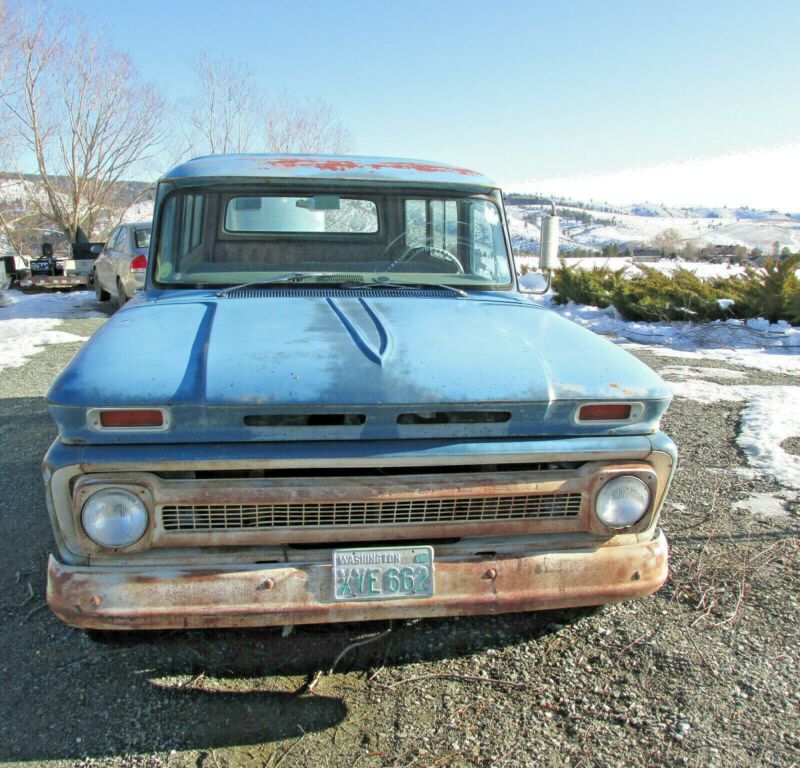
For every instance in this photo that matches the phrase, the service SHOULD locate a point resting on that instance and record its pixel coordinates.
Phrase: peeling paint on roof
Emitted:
(328, 167)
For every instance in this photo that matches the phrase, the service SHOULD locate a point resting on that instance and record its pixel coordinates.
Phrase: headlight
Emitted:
(622, 501)
(114, 518)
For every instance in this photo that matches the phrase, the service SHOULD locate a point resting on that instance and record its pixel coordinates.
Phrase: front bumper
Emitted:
(164, 597)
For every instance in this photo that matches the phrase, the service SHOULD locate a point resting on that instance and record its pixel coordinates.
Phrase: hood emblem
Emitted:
(365, 328)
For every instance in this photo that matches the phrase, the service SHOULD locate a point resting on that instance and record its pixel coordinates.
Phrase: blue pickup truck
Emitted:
(331, 401)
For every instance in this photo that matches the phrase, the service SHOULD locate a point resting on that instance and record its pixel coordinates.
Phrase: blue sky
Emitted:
(519, 90)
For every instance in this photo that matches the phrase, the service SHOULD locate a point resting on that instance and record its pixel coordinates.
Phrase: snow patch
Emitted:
(61, 306)
(28, 323)
(704, 391)
(771, 416)
(755, 343)
(762, 505)
(770, 360)
(694, 372)
(22, 339)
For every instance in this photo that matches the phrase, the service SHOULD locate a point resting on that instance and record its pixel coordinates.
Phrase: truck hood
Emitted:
(216, 361)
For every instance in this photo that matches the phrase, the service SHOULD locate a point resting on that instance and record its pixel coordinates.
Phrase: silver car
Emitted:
(119, 269)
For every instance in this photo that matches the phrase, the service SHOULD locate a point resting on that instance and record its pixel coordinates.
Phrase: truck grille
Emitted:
(212, 517)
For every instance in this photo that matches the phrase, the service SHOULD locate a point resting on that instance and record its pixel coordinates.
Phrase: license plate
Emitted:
(383, 573)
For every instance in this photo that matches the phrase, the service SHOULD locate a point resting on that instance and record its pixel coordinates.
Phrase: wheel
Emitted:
(99, 293)
(409, 254)
(122, 297)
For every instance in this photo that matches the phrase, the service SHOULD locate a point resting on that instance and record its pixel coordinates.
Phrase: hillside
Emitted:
(593, 226)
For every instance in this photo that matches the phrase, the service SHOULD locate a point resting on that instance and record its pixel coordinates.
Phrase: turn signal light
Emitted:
(132, 418)
(604, 412)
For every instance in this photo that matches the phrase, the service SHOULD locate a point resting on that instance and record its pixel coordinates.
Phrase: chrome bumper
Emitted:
(156, 597)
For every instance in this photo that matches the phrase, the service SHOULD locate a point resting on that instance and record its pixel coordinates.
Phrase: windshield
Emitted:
(142, 237)
(222, 237)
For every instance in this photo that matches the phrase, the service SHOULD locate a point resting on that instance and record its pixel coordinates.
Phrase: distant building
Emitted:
(642, 252)
(721, 250)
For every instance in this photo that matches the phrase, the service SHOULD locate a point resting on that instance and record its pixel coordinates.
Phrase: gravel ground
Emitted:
(704, 673)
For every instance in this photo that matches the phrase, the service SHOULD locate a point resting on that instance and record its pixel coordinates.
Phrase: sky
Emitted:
(671, 102)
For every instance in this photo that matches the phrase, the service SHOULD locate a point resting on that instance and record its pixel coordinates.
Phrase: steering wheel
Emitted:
(411, 253)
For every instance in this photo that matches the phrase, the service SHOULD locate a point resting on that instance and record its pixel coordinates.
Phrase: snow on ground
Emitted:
(690, 372)
(762, 505)
(28, 323)
(776, 360)
(771, 416)
(702, 269)
(57, 306)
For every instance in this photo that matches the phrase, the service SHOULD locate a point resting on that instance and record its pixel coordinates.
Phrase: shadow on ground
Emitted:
(66, 696)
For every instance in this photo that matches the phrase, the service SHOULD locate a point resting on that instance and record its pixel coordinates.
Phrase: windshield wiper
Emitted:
(290, 277)
(385, 283)
(285, 278)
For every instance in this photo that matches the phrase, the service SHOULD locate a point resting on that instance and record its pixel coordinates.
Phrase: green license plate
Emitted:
(382, 574)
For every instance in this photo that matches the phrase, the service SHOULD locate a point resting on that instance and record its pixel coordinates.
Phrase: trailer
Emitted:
(50, 271)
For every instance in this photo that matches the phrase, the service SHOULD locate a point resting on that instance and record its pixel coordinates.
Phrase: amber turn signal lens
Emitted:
(604, 412)
(132, 418)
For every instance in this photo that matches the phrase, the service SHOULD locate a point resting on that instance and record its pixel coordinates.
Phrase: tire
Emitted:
(122, 297)
(99, 293)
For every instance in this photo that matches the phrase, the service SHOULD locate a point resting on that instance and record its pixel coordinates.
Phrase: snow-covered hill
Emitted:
(636, 225)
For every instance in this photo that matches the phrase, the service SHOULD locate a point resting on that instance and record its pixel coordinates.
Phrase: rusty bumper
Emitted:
(153, 597)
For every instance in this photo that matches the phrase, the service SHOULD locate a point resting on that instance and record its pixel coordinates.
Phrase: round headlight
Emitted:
(114, 518)
(622, 501)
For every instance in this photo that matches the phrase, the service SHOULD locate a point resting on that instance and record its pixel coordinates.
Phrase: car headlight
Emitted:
(114, 518)
(622, 501)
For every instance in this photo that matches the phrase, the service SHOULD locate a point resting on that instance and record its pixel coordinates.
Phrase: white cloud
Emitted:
(763, 178)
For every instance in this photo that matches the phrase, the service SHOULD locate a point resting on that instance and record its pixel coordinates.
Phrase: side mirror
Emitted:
(97, 249)
(548, 251)
(548, 245)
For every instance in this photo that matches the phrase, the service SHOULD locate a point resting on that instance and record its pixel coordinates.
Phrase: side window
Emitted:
(122, 240)
(112, 239)
(181, 234)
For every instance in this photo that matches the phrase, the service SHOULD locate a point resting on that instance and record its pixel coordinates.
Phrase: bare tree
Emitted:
(83, 116)
(7, 45)
(313, 127)
(223, 117)
(8, 83)
(668, 241)
(233, 113)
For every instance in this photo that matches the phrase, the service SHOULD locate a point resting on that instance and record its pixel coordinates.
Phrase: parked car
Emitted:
(120, 268)
(333, 402)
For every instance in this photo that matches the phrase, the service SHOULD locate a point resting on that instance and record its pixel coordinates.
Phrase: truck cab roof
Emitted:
(326, 168)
